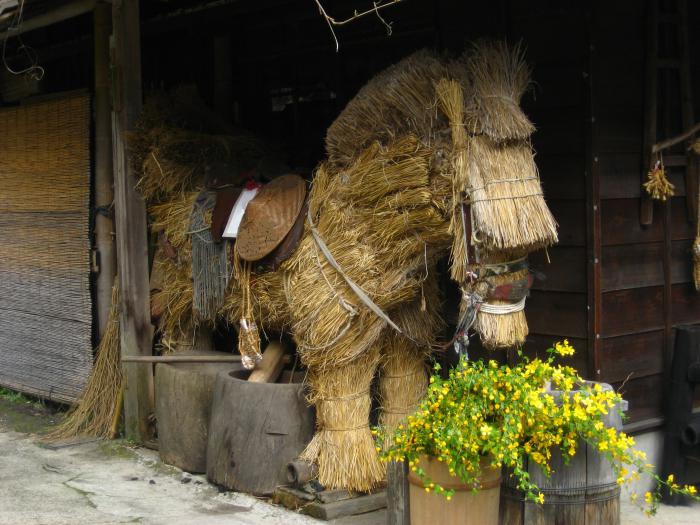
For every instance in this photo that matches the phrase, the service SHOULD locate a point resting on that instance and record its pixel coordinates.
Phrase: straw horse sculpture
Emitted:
(431, 158)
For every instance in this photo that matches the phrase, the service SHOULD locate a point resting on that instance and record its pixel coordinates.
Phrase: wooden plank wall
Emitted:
(632, 343)
(557, 305)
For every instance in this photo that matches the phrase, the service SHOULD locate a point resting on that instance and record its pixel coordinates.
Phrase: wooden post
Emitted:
(397, 503)
(646, 211)
(594, 249)
(130, 215)
(104, 179)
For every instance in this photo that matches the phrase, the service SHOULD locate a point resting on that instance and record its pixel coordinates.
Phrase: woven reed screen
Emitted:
(45, 305)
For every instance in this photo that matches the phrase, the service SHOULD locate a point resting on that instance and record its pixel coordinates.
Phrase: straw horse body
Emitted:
(431, 158)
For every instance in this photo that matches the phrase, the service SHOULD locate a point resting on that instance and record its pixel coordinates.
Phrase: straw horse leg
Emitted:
(343, 445)
(403, 378)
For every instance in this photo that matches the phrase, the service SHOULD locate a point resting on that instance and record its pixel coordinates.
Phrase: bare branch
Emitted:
(376, 6)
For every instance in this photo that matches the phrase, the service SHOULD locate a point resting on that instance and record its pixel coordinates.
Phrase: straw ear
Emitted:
(499, 77)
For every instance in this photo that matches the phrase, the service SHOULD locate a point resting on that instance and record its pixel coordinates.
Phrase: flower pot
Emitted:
(583, 491)
(465, 507)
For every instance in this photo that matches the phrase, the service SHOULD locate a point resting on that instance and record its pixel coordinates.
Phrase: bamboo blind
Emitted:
(45, 304)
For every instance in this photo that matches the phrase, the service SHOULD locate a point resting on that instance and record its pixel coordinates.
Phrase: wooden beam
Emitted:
(688, 134)
(104, 179)
(130, 220)
(64, 12)
(181, 359)
(397, 494)
(687, 110)
(593, 212)
(646, 209)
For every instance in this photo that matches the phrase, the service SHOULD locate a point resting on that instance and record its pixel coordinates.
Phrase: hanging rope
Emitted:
(248, 335)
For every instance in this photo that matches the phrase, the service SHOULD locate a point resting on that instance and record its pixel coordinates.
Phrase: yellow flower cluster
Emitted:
(508, 414)
(563, 348)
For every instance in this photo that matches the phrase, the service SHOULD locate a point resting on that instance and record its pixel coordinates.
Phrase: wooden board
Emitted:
(633, 356)
(645, 396)
(632, 311)
(45, 303)
(632, 266)
(571, 219)
(329, 505)
(136, 331)
(685, 304)
(397, 498)
(557, 313)
(537, 344)
(621, 219)
(564, 272)
(562, 176)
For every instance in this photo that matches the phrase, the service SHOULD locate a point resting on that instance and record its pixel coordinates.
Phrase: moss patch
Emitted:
(20, 414)
(117, 448)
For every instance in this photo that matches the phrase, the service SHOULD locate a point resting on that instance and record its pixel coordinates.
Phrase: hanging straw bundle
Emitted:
(210, 262)
(657, 185)
(508, 207)
(98, 410)
(248, 335)
(178, 160)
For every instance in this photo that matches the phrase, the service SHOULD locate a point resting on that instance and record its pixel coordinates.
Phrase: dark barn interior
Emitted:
(620, 278)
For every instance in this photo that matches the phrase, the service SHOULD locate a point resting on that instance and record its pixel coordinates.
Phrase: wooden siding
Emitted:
(557, 307)
(636, 335)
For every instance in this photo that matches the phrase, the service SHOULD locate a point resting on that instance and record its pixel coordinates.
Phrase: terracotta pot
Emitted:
(465, 507)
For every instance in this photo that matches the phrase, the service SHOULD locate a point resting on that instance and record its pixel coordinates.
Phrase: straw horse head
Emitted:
(432, 158)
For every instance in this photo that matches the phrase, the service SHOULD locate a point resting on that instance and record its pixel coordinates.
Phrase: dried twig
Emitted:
(376, 6)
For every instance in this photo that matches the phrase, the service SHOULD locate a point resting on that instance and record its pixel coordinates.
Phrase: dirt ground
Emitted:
(110, 482)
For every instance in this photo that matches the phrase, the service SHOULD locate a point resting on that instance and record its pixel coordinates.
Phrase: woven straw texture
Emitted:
(45, 306)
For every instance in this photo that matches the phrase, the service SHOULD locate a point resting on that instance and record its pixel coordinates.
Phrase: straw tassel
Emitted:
(657, 185)
(210, 264)
(248, 335)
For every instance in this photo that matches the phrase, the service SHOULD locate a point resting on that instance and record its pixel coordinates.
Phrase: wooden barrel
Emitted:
(183, 404)
(465, 508)
(584, 492)
(256, 430)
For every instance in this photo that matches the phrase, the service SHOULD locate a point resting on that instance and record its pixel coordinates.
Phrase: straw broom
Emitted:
(98, 410)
